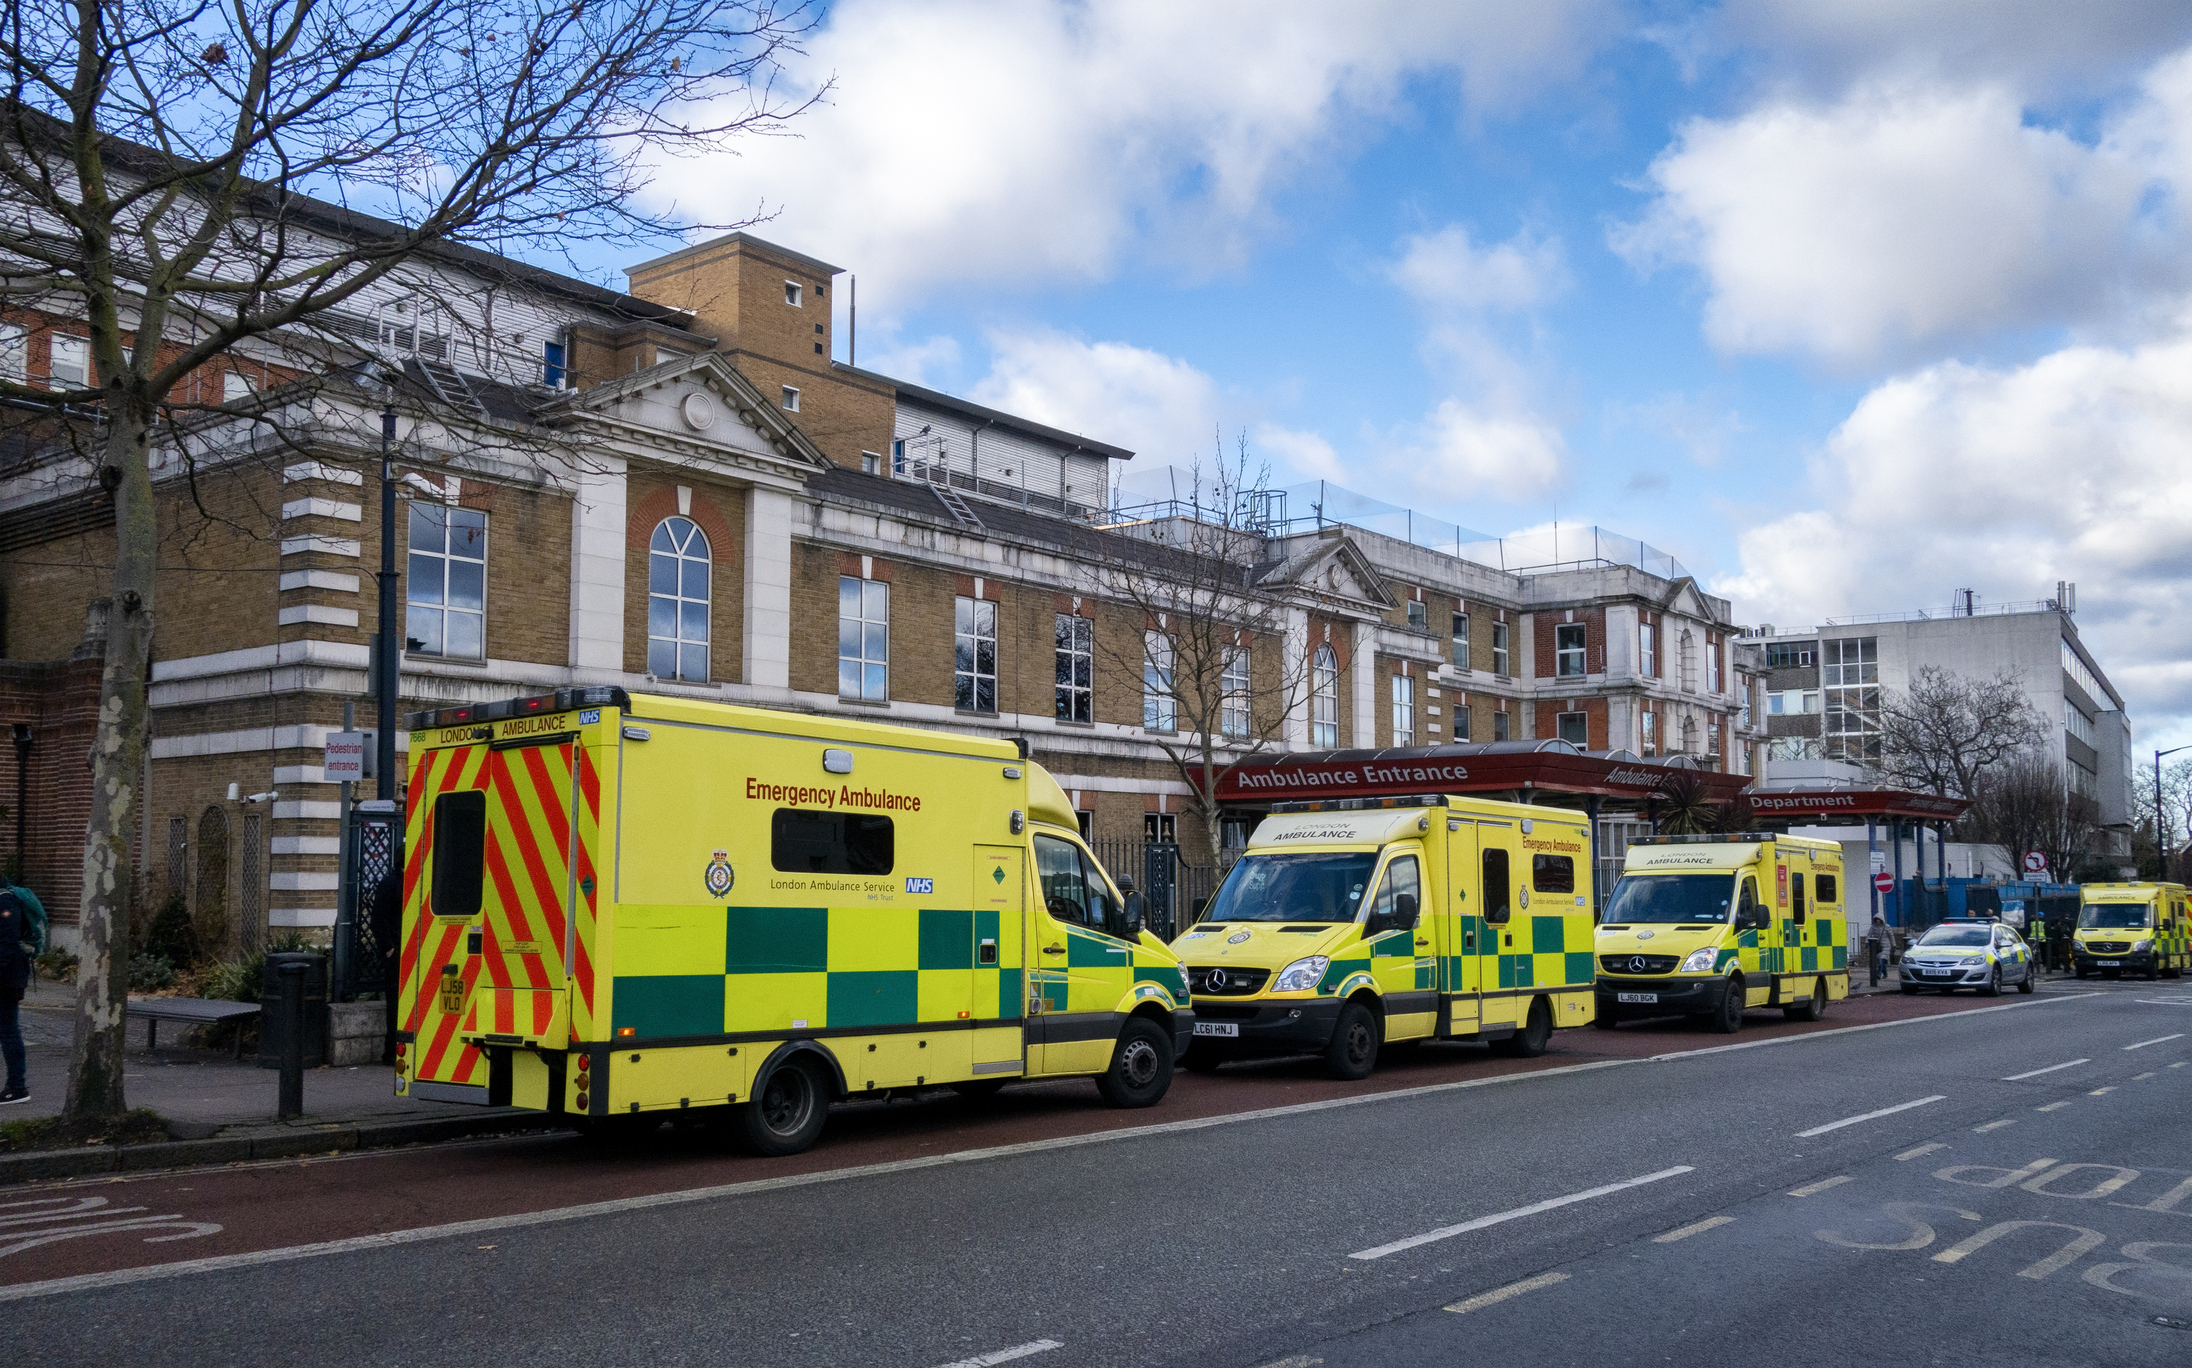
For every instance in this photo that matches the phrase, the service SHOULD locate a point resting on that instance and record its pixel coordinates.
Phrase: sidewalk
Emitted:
(223, 1110)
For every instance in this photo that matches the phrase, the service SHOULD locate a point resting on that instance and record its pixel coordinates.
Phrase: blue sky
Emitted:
(1846, 303)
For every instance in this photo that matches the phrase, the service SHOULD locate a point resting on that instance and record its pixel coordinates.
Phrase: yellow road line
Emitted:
(1709, 1223)
(1498, 1295)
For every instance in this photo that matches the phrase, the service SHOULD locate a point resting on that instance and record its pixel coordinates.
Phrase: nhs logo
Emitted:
(920, 885)
(589, 717)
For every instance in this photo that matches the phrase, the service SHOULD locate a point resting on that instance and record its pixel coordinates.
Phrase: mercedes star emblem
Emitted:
(1216, 980)
(1637, 964)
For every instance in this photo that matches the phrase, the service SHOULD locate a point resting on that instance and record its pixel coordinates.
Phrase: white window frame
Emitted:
(1582, 720)
(1324, 698)
(1458, 651)
(1712, 666)
(969, 619)
(1160, 706)
(683, 536)
(790, 401)
(1500, 654)
(795, 294)
(1234, 694)
(1647, 732)
(1073, 639)
(871, 463)
(1647, 650)
(1404, 710)
(439, 560)
(1572, 660)
(81, 346)
(14, 352)
(1502, 728)
(1419, 614)
(870, 657)
(1461, 721)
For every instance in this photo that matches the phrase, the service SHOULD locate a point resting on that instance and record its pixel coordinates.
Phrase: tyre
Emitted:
(1729, 1019)
(1141, 1066)
(1994, 984)
(2079, 971)
(1203, 1057)
(2030, 981)
(1812, 1010)
(786, 1116)
(1604, 1021)
(1535, 1035)
(1353, 1051)
(979, 1089)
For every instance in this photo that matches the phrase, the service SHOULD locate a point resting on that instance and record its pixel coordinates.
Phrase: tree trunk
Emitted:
(117, 770)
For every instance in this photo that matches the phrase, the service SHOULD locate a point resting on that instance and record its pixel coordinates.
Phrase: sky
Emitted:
(1847, 304)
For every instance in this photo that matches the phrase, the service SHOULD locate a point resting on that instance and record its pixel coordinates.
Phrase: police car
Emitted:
(1980, 955)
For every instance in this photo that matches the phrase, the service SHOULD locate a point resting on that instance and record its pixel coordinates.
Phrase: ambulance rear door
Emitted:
(444, 889)
(532, 790)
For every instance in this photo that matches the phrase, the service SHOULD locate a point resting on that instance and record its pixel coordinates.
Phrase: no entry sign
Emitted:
(1885, 883)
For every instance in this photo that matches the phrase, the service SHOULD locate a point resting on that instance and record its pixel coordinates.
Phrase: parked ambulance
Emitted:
(1353, 924)
(1711, 925)
(617, 907)
(2137, 928)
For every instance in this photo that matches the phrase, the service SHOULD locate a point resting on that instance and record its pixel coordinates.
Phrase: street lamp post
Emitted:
(384, 660)
(2161, 842)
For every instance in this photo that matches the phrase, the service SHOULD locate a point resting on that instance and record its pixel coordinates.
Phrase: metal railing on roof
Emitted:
(1956, 610)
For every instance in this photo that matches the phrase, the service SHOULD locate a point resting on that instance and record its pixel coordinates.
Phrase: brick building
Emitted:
(678, 489)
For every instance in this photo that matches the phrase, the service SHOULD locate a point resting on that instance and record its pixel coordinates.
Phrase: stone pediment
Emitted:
(695, 404)
(1331, 567)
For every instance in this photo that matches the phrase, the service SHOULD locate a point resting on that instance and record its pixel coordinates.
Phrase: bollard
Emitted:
(292, 1089)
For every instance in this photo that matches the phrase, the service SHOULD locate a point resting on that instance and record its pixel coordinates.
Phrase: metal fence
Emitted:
(1172, 886)
(374, 851)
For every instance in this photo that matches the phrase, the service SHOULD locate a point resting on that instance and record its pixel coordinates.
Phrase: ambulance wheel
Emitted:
(1729, 1019)
(1141, 1066)
(786, 1116)
(1354, 1048)
(1812, 1010)
(1203, 1058)
(1535, 1035)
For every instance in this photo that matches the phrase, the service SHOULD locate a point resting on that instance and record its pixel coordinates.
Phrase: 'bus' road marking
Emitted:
(1448, 1232)
(1709, 1223)
(1497, 1295)
(1871, 1115)
(2155, 1041)
(1017, 1351)
(2035, 1073)
(1907, 1155)
(1813, 1189)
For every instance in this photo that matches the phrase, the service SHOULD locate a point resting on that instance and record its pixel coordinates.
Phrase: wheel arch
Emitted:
(790, 1050)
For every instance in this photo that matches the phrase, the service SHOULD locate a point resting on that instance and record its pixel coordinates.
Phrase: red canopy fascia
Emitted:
(1386, 774)
(1814, 804)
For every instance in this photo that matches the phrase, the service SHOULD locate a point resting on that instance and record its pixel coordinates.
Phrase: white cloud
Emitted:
(928, 362)
(1913, 213)
(1039, 142)
(2007, 479)
(1446, 269)
(1475, 449)
(1159, 407)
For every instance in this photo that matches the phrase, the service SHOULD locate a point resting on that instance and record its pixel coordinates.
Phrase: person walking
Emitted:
(1877, 940)
(22, 938)
(387, 927)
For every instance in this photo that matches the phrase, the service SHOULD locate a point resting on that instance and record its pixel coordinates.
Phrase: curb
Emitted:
(277, 1144)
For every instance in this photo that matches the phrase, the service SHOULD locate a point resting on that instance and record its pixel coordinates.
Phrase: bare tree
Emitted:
(180, 177)
(1211, 653)
(1948, 730)
(2026, 804)
(2161, 831)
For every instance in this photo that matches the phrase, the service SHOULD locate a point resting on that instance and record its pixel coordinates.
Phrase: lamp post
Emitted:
(384, 659)
(22, 736)
(2161, 842)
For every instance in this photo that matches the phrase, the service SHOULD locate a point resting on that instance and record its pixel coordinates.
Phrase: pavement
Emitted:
(207, 1096)
(1935, 1179)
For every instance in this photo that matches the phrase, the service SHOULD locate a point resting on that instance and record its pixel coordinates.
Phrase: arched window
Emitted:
(677, 602)
(1324, 699)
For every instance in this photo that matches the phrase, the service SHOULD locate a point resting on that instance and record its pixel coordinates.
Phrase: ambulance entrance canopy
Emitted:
(1551, 772)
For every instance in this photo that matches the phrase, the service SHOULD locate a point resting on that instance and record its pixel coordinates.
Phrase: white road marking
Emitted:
(1709, 1223)
(1907, 1155)
(2047, 1001)
(2178, 1065)
(2035, 1073)
(1993, 1125)
(1448, 1232)
(2148, 1074)
(995, 1356)
(1871, 1116)
(2052, 1106)
(1493, 1298)
(2155, 1041)
(2098, 1091)
(1814, 1189)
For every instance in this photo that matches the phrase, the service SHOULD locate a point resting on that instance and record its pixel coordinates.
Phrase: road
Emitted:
(1889, 1193)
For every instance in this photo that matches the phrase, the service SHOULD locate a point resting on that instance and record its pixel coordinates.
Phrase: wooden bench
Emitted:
(193, 1011)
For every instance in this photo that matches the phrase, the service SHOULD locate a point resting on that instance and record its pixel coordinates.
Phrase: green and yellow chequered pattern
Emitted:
(1559, 954)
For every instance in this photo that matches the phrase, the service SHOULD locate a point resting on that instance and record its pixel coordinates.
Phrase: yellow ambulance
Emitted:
(618, 907)
(2131, 928)
(1711, 925)
(1352, 924)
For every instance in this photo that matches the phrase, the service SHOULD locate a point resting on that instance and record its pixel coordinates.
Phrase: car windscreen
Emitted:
(1293, 887)
(2118, 916)
(1956, 935)
(1671, 898)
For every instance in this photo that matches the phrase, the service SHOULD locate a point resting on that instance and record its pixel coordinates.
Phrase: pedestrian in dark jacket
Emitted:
(18, 943)
(387, 927)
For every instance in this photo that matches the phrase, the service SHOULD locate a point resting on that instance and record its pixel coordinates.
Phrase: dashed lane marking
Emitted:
(1709, 1223)
(1907, 1155)
(996, 1356)
(1871, 1115)
(2148, 1074)
(1498, 1295)
(1550, 1203)
(1814, 1189)
(2098, 1091)
(2049, 1000)
(2035, 1073)
(1993, 1125)
(2155, 1041)
(2052, 1106)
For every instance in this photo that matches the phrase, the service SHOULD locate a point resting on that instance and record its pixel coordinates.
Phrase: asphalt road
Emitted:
(1645, 1199)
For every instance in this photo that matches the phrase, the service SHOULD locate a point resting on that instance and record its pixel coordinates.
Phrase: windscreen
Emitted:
(1671, 898)
(1290, 887)
(1956, 935)
(2117, 916)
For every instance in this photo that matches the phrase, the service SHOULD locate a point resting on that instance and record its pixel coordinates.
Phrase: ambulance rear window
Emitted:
(803, 842)
(1552, 873)
(1825, 888)
(460, 841)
